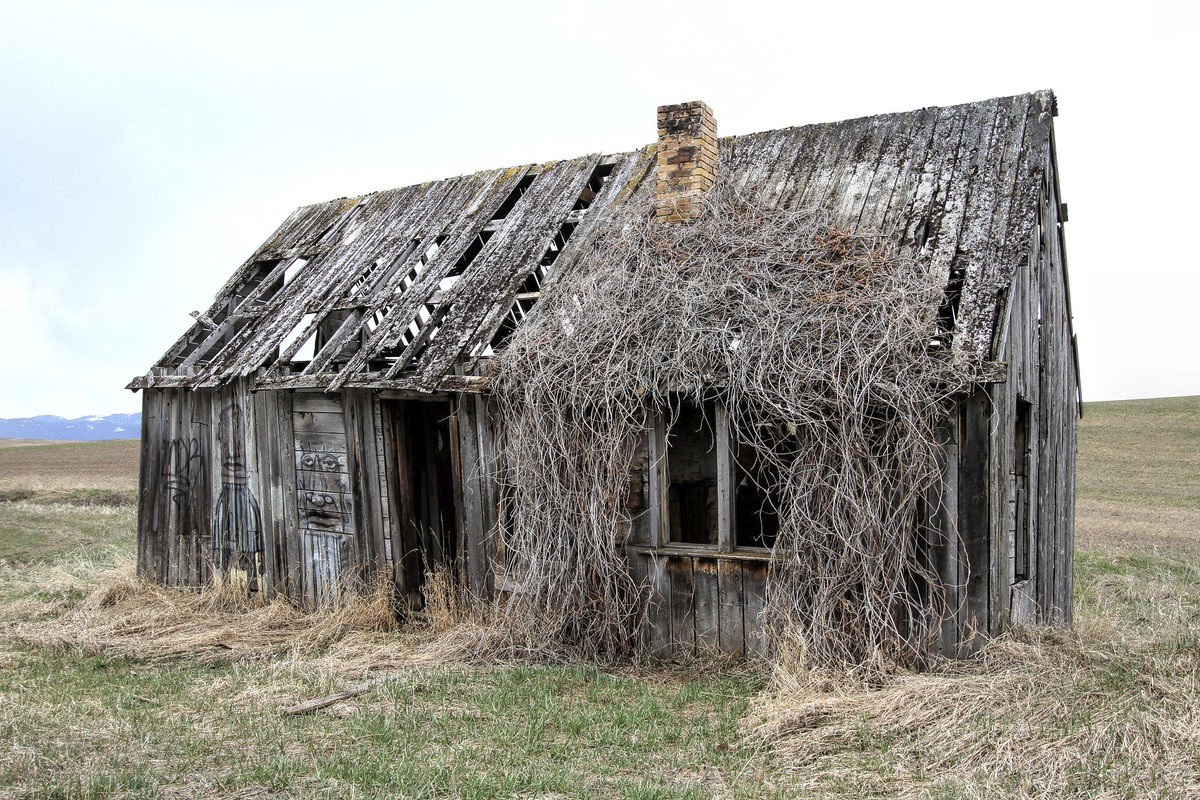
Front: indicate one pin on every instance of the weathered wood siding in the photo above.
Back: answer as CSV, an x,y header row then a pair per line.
x,y
1036,341
701,602
176,487
985,592
290,481
406,290
477,458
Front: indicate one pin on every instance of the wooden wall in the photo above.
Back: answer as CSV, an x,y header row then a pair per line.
x,y
981,475
697,603
1038,345
301,483
289,481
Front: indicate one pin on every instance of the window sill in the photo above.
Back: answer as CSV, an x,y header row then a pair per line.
x,y
702,551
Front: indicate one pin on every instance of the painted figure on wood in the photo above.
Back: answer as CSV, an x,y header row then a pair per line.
x,y
322,490
185,468
237,522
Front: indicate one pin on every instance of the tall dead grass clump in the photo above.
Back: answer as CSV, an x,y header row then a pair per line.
x,y
1111,709
221,623
818,343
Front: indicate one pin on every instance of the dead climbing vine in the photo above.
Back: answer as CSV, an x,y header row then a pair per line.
x,y
818,342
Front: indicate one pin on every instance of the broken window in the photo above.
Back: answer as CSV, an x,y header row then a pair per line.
x,y
704,489
756,515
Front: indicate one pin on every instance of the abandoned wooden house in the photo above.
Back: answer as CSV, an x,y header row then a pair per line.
x,y
329,414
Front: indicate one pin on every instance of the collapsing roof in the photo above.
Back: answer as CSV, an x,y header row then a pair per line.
x,y
414,288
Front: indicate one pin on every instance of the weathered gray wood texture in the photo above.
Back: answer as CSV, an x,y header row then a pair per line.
x,y
403,292
1033,339
957,185
308,465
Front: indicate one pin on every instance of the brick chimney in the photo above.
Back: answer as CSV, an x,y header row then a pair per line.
x,y
687,160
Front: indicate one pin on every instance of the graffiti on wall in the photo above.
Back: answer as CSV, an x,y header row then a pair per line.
x,y
321,490
185,466
237,521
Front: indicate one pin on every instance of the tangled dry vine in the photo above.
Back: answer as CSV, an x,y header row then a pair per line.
x,y
818,341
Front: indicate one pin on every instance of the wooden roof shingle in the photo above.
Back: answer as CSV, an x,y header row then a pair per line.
x,y
957,185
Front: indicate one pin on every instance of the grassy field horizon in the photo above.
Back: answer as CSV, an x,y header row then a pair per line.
x,y
112,689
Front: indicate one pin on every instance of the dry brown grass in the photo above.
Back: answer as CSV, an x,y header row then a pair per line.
x,y
63,466
1110,709
33,442
124,617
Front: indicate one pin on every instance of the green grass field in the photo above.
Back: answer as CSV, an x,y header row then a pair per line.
x,y
1112,710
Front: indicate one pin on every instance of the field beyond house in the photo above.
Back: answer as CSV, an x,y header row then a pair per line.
x,y
114,690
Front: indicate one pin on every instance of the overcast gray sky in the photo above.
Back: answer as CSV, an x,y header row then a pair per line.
x,y
147,149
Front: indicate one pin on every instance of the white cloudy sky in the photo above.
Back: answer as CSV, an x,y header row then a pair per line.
x,y
147,148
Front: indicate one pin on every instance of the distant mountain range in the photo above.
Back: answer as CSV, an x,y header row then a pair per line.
x,y
114,426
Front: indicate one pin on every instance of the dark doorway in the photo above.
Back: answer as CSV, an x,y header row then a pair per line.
x,y
423,486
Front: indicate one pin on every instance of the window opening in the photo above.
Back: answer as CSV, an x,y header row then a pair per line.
x,y
1022,529
692,475
756,515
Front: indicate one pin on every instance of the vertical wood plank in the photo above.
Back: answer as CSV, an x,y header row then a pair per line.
x,y
683,609
470,469
729,593
295,556
639,574
754,592
946,541
974,513
363,462
170,541
726,535
657,446
659,606
149,483
489,490
706,597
